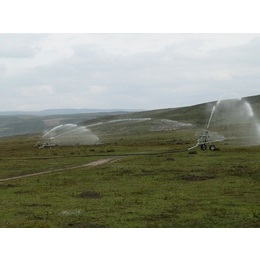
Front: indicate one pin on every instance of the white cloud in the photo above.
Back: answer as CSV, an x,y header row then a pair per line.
x,y
18,45
127,70
34,91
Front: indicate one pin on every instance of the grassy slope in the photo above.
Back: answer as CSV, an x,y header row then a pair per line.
x,y
230,119
193,114
185,189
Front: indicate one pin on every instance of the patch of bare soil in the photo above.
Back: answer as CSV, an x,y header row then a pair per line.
x,y
89,194
7,185
22,192
195,177
38,205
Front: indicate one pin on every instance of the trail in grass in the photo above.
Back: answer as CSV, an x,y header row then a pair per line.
x,y
94,163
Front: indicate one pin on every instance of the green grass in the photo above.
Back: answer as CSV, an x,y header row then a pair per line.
x,y
199,189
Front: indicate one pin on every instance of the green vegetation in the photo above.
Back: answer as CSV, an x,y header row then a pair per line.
x,y
176,189
152,181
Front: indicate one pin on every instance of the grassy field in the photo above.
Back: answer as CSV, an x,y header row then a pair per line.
x,y
171,187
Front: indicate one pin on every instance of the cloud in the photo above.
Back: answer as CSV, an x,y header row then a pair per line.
x,y
14,51
2,69
34,91
247,54
18,45
185,72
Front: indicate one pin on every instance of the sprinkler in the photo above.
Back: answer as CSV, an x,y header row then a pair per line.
x,y
205,137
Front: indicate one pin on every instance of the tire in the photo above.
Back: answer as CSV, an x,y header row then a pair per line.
x,y
203,147
212,147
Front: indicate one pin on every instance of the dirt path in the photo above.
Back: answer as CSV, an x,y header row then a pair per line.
x,y
95,163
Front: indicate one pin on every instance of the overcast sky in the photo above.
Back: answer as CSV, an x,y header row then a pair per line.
x,y
132,71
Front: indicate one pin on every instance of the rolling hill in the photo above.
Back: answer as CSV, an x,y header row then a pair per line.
x,y
236,118
231,117
27,124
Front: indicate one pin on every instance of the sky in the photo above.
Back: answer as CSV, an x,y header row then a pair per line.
x,y
132,71
41,68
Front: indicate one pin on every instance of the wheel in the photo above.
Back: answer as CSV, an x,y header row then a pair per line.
x,y
203,147
212,147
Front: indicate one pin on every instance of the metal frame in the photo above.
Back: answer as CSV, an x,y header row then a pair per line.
x,y
205,137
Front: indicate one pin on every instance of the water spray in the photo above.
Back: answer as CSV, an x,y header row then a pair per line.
x,y
226,94
67,132
249,108
72,134
210,117
51,130
205,137
46,143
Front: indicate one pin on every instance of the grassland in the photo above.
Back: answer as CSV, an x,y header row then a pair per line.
x,y
152,181
169,188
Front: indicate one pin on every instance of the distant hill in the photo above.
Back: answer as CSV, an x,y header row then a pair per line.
x,y
197,114
68,111
229,113
26,124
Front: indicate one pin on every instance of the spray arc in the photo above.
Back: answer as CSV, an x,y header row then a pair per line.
x,y
68,134
205,137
